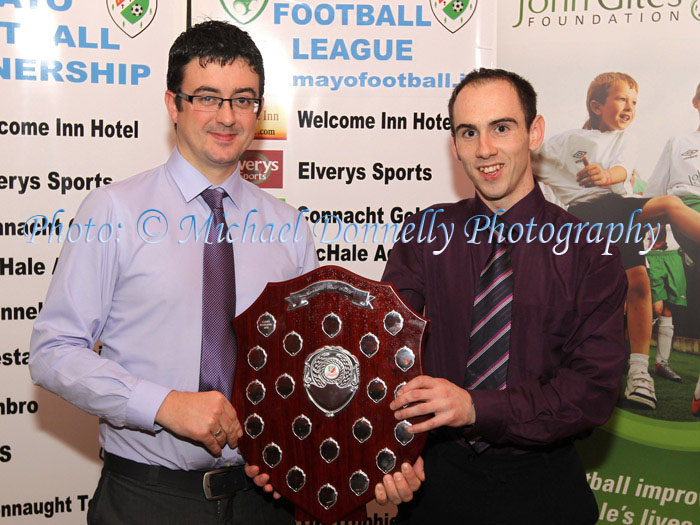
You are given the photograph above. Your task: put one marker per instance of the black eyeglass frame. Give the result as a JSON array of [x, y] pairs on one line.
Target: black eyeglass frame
[[191, 98]]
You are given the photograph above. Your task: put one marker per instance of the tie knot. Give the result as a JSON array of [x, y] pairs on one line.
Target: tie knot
[[214, 198], [501, 228]]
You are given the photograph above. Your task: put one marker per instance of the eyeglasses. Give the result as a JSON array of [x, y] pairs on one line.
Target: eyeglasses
[[211, 103]]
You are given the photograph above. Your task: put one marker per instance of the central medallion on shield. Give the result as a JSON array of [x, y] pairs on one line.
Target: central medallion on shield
[[331, 378]]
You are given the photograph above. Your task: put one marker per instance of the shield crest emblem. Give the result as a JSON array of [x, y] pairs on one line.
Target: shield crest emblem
[[132, 16], [453, 14], [320, 358], [244, 11], [331, 378]]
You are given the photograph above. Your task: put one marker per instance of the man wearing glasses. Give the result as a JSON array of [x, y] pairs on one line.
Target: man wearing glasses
[[160, 301]]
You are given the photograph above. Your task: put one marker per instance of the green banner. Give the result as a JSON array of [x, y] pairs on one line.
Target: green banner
[[638, 483]]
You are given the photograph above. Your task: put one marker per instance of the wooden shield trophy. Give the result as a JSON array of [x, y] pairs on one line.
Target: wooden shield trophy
[[320, 358]]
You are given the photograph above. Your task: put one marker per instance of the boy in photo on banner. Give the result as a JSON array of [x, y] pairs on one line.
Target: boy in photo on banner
[[668, 287], [161, 384], [525, 348], [589, 170], [678, 173]]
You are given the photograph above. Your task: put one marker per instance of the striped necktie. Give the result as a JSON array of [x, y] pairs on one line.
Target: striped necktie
[[489, 340], [218, 362]]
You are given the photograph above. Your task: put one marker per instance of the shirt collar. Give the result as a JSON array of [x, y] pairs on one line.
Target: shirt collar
[[191, 182]]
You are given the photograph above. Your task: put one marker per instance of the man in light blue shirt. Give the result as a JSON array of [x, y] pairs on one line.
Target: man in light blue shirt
[[137, 288]]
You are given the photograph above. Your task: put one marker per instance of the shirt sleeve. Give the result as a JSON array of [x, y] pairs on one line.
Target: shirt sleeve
[[308, 259], [658, 182], [546, 166], [405, 271], [625, 154], [583, 390], [76, 308]]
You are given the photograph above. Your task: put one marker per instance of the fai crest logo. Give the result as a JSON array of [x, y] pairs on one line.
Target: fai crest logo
[[453, 14], [244, 11], [695, 9], [132, 16]]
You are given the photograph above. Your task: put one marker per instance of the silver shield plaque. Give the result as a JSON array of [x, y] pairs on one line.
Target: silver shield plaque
[[331, 378]]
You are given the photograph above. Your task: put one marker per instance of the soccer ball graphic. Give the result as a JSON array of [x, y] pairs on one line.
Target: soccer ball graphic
[[458, 6], [136, 10]]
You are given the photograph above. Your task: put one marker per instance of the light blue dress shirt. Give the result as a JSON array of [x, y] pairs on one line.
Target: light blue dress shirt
[[142, 297]]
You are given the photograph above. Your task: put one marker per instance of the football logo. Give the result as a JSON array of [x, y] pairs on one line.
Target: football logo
[[244, 11], [331, 372], [690, 154], [453, 14], [132, 16]]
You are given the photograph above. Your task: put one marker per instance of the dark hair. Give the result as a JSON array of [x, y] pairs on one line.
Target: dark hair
[[212, 41], [526, 93]]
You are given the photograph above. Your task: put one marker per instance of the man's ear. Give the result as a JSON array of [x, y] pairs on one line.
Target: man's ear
[[453, 147], [536, 132], [171, 105]]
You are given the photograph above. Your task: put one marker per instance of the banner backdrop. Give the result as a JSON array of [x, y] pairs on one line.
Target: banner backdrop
[[82, 90], [643, 465], [355, 126]]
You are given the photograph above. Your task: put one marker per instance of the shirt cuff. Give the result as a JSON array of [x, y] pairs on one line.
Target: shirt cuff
[[144, 403], [622, 188], [490, 407]]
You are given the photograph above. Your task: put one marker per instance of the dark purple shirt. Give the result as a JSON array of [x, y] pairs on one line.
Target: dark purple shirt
[[567, 348]]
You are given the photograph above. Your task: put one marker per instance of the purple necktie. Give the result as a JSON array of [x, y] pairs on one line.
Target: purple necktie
[[489, 340], [218, 304]]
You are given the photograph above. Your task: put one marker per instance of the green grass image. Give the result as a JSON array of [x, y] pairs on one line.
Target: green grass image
[[672, 399]]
